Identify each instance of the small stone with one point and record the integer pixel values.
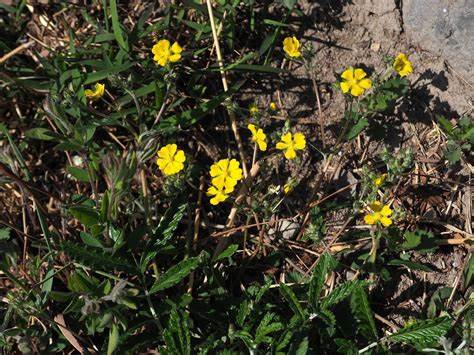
(375, 47)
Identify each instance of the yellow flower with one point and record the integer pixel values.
(253, 109)
(287, 188)
(273, 106)
(402, 65)
(164, 52)
(225, 174)
(378, 181)
(355, 81)
(258, 137)
(170, 159)
(219, 195)
(380, 213)
(291, 143)
(291, 46)
(97, 93)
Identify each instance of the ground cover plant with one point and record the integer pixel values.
(160, 193)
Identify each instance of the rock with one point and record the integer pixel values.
(375, 47)
(445, 28)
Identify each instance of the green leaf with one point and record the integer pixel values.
(164, 232)
(271, 22)
(438, 301)
(95, 258)
(363, 314)
(445, 125)
(420, 240)
(356, 129)
(410, 264)
(187, 118)
(78, 173)
(116, 25)
(113, 339)
(289, 3)
(422, 333)
(41, 134)
(4, 233)
(468, 273)
(231, 249)
(340, 293)
(346, 347)
(90, 240)
(48, 281)
(453, 153)
(325, 264)
(80, 282)
(175, 274)
(293, 301)
(86, 215)
(302, 347)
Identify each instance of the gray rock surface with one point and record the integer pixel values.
(445, 28)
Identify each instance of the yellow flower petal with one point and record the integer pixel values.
(348, 74)
(291, 46)
(97, 93)
(162, 163)
(262, 145)
(359, 74)
(281, 145)
(386, 222)
(176, 48)
(402, 65)
(299, 141)
(252, 129)
(356, 90)
(380, 180)
(174, 58)
(286, 138)
(365, 83)
(219, 181)
(370, 219)
(385, 211)
(180, 157)
(345, 87)
(290, 153)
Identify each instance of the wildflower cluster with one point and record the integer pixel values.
(225, 174)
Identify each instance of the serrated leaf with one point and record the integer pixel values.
(293, 301)
(363, 313)
(98, 259)
(422, 333)
(266, 327)
(86, 215)
(325, 263)
(340, 293)
(228, 252)
(113, 339)
(41, 134)
(175, 274)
